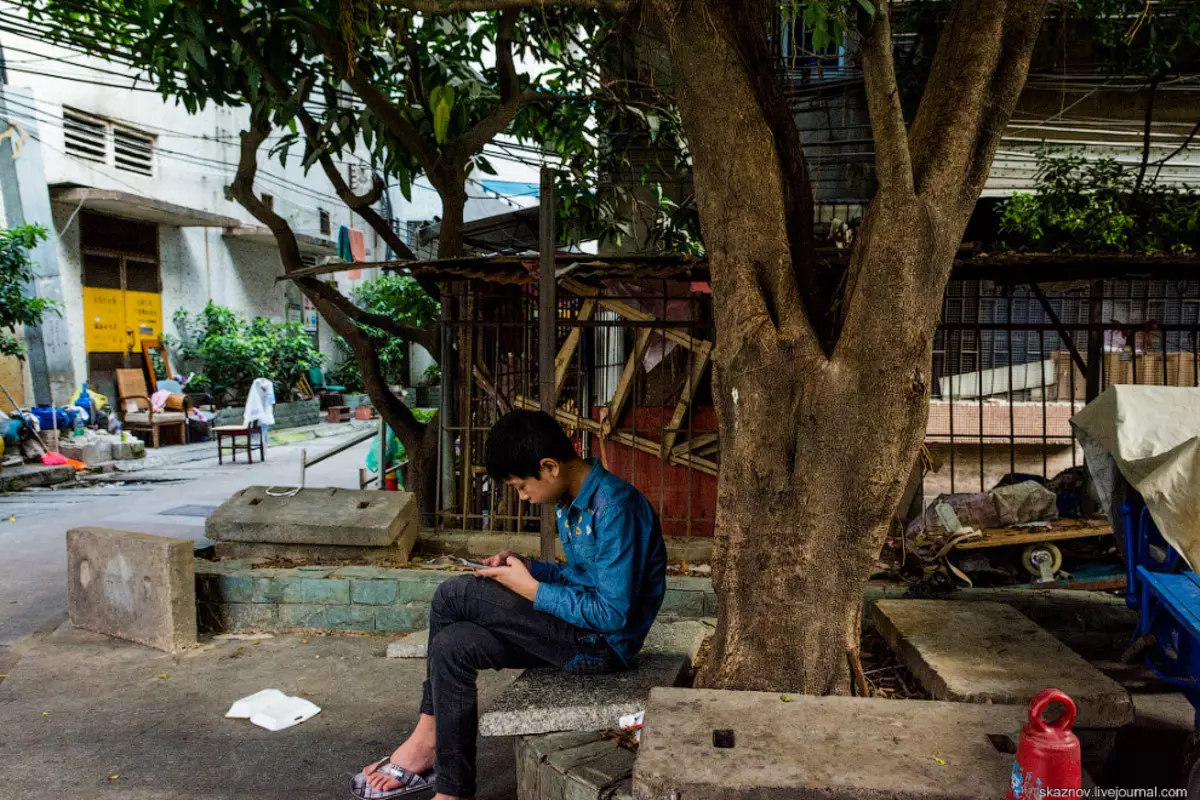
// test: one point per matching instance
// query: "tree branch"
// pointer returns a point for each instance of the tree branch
(429, 338)
(434, 8)
(1141, 177)
(337, 310)
(893, 163)
(360, 204)
(492, 125)
(379, 103)
(977, 75)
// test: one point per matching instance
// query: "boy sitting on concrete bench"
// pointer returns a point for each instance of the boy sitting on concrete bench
(589, 616)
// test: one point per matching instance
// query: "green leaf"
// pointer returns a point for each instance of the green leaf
(867, 6)
(652, 121)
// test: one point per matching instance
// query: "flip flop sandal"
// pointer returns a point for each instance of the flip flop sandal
(410, 782)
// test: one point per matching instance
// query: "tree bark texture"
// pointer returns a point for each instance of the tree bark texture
(819, 425)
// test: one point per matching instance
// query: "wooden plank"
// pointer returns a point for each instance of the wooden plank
(625, 385)
(699, 364)
(1002, 537)
(648, 446)
(695, 444)
(629, 312)
(567, 352)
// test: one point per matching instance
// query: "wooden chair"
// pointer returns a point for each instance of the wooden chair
(133, 400)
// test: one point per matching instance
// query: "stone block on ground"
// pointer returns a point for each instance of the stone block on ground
(129, 449)
(572, 766)
(325, 516)
(133, 586)
(27, 476)
(415, 645)
(549, 700)
(986, 652)
(821, 748)
(92, 450)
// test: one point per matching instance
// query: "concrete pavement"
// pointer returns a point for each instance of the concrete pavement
(77, 707)
(82, 707)
(33, 583)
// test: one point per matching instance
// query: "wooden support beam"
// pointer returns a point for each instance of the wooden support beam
(483, 377)
(648, 446)
(625, 385)
(567, 352)
(695, 444)
(629, 312)
(700, 356)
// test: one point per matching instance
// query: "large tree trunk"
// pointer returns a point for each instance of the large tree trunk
(822, 410)
(814, 455)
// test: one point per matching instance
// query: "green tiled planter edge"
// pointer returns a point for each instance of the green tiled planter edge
(232, 596)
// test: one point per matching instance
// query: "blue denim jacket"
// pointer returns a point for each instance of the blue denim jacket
(616, 571)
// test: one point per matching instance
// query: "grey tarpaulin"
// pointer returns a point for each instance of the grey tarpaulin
(1150, 435)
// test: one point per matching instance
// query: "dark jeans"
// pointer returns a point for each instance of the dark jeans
(475, 624)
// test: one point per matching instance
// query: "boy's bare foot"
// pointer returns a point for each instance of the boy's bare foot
(415, 755)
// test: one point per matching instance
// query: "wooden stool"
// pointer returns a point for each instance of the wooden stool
(338, 414)
(233, 432)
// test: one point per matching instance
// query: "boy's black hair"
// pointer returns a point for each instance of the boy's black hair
(520, 440)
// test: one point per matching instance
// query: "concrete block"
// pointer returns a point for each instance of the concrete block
(350, 618)
(572, 766)
(133, 586)
(821, 748)
(327, 592)
(27, 476)
(325, 516)
(360, 571)
(415, 645)
(548, 700)
(398, 619)
(279, 590)
(302, 616)
(373, 593)
(92, 451)
(128, 450)
(416, 591)
(986, 652)
(235, 589)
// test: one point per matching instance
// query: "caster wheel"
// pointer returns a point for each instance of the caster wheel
(1043, 561)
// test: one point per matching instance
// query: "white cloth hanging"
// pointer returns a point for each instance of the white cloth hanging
(260, 404)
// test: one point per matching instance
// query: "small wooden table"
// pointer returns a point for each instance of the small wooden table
(233, 433)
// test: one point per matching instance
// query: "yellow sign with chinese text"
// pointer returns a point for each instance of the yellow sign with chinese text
(104, 320)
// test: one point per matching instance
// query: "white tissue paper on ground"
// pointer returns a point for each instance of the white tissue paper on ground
(273, 710)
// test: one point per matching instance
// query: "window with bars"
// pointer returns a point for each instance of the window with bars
(102, 141)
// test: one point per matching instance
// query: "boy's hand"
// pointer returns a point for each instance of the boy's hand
(515, 575)
(501, 559)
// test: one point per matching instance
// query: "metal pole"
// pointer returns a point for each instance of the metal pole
(547, 320)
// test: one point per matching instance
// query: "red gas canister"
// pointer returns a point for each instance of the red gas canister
(1048, 754)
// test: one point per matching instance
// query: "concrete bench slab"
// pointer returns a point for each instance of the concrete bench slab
(549, 700)
(984, 652)
(832, 748)
(326, 516)
(132, 586)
